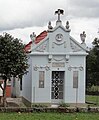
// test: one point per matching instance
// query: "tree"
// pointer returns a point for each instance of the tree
(93, 64)
(13, 59)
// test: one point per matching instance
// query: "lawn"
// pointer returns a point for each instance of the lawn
(49, 116)
(92, 99)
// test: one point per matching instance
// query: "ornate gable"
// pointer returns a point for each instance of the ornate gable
(56, 39)
(76, 46)
(35, 40)
(43, 47)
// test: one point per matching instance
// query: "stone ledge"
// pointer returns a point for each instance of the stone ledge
(49, 109)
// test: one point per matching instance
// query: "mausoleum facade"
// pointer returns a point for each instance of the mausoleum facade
(57, 66)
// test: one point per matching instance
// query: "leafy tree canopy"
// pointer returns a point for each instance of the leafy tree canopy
(93, 64)
(13, 59)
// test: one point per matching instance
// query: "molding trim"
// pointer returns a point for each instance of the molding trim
(50, 58)
(59, 59)
(75, 67)
(37, 67)
(67, 58)
(59, 43)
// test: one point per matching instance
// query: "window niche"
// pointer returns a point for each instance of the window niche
(75, 79)
(41, 79)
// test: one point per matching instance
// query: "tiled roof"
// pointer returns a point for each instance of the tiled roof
(28, 46)
(39, 38)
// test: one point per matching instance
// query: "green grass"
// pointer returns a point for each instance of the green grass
(49, 116)
(92, 98)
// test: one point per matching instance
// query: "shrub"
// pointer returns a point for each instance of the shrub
(62, 104)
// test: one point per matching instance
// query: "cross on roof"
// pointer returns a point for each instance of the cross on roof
(59, 12)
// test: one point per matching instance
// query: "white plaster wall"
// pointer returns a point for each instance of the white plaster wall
(70, 92)
(27, 86)
(15, 89)
(41, 95)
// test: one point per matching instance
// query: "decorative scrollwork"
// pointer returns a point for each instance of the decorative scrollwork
(42, 48)
(74, 47)
(46, 67)
(74, 67)
(69, 68)
(81, 68)
(61, 43)
(35, 67)
(59, 59)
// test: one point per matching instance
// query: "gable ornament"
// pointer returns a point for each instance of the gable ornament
(33, 37)
(49, 58)
(67, 25)
(83, 36)
(67, 58)
(59, 37)
(49, 25)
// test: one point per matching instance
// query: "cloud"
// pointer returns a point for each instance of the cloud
(27, 13)
(85, 24)
(21, 17)
(24, 33)
(83, 8)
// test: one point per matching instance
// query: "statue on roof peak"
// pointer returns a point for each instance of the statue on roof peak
(83, 36)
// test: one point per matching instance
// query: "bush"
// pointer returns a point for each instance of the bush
(62, 104)
(93, 90)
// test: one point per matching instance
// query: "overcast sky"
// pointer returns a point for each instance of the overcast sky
(22, 17)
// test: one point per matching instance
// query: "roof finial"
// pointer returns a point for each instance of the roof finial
(59, 12)
(49, 25)
(67, 25)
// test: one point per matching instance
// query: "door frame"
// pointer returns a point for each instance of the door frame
(57, 100)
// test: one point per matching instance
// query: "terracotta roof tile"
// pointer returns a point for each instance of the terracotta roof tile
(39, 38)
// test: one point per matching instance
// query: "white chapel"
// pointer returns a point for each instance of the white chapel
(57, 66)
